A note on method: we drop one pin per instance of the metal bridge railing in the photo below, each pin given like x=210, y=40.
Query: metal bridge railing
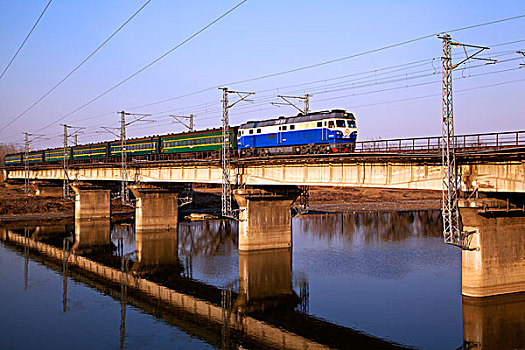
x=433, y=144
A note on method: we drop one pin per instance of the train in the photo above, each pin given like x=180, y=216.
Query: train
x=312, y=133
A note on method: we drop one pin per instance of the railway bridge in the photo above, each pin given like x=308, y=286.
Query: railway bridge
x=492, y=168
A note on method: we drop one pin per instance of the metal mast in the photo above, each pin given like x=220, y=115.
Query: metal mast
x=179, y=118
x=452, y=233
x=65, y=164
x=287, y=102
x=124, y=193
x=27, y=147
x=226, y=197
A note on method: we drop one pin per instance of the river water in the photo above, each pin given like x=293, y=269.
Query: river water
x=363, y=280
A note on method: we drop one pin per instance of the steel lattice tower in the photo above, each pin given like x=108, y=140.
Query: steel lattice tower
x=450, y=211
x=226, y=197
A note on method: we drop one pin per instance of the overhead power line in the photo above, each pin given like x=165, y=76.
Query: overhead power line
x=274, y=74
x=147, y=66
x=333, y=60
x=27, y=37
x=76, y=68
x=378, y=71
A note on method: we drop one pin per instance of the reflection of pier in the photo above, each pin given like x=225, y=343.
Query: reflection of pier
x=156, y=251
x=265, y=281
x=494, y=323
x=205, y=317
x=90, y=234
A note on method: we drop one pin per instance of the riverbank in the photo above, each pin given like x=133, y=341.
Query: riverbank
x=16, y=205
x=372, y=199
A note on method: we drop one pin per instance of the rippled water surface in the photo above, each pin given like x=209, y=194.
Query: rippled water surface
x=364, y=279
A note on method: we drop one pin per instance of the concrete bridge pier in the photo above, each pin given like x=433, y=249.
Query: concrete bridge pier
x=156, y=207
x=91, y=201
x=495, y=263
x=265, y=219
x=265, y=280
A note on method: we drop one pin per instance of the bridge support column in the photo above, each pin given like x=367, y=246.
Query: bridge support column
x=156, y=207
x=496, y=262
x=91, y=201
x=265, y=217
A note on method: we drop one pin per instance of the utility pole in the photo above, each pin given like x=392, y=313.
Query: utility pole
x=65, y=164
x=124, y=193
x=287, y=102
x=179, y=118
x=27, y=148
x=66, y=154
x=226, y=197
x=452, y=233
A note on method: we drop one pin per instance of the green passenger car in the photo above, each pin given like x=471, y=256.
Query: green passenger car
x=94, y=151
x=13, y=159
x=56, y=155
x=137, y=147
x=199, y=141
x=34, y=157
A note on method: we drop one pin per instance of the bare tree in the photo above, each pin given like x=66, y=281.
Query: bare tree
x=7, y=148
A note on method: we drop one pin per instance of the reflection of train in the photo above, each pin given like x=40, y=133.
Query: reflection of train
x=317, y=132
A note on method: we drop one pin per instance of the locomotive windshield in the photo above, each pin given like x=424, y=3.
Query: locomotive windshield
x=351, y=123
x=340, y=123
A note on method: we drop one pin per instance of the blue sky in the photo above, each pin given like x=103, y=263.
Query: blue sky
x=258, y=38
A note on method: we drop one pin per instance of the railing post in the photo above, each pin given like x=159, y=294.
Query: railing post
x=497, y=140
x=464, y=141
x=386, y=146
x=413, y=145
x=517, y=138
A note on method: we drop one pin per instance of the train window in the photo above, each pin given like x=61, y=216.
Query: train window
x=292, y=127
x=351, y=123
x=251, y=131
x=269, y=136
x=258, y=131
x=284, y=128
x=331, y=124
x=319, y=124
x=340, y=123
x=273, y=136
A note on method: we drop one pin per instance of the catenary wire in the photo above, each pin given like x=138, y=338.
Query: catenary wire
x=145, y=67
x=27, y=37
x=76, y=68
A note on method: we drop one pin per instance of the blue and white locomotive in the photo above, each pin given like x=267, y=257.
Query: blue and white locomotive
x=312, y=133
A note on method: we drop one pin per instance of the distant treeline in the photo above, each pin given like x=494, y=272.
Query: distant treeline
x=6, y=148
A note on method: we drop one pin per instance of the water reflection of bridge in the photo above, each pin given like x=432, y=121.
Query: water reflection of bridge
x=260, y=311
